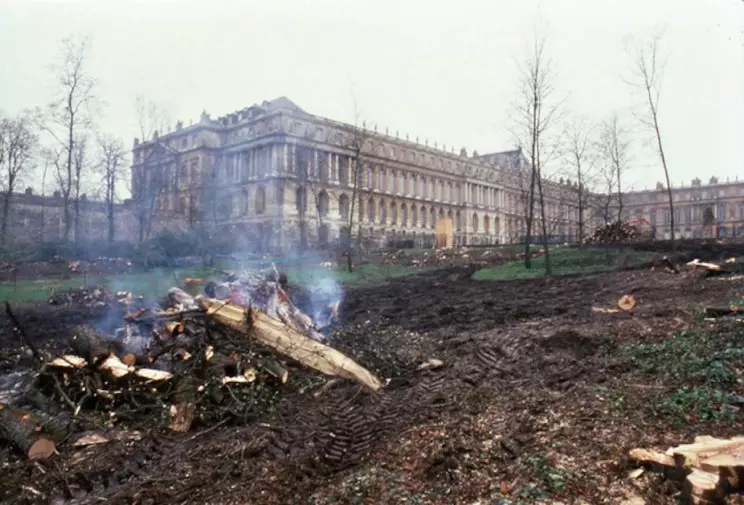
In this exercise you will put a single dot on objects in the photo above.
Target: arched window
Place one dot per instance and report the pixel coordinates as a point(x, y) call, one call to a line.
point(383, 212)
point(343, 207)
point(486, 225)
point(432, 219)
point(323, 205)
point(414, 215)
point(403, 215)
point(393, 213)
point(475, 223)
point(423, 217)
point(260, 201)
point(371, 210)
point(301, 200)
point(458, 221)
point(244, 209)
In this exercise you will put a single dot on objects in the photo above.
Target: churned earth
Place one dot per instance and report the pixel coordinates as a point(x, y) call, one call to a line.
point(542, 393)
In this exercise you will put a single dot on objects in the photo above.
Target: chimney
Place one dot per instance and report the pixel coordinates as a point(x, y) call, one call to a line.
point(57, 194)
point(696, 181)
point(179, 126)
point(713, 180)
point(83, 197)
point(136, 141)
point(204, 117)
point(464, 152)
point(659, 186)
point(29, 191)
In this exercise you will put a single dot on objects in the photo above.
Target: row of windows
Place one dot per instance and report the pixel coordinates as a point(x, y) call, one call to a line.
point(693, 215)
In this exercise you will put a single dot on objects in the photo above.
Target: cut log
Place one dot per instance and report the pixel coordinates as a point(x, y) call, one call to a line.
point(703, 488)
point(274, 369)
point(92, 345)
point(713, 467)
point(182, 297)
point(713, 269)
point(29, 432)
point(281, 338)
point(68, 361)
point(626, 302)
point(183, 410)
point(723, 311)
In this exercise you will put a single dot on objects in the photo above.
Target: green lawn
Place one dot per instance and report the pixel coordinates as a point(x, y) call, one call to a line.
point(157, 282)
point(564, 261)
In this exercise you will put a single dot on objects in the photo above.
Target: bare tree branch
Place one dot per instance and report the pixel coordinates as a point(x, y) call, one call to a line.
point(111, 161)
point(67, 117)
point(647, 77)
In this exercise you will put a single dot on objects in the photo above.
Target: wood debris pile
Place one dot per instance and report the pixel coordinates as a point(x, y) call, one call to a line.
point(711, 468)
point(227, 354)
point(616, 232)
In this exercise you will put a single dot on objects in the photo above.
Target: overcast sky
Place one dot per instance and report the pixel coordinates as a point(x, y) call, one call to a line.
point(438, 69)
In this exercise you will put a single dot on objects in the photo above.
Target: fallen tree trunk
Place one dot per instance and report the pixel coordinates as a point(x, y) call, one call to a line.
point(289, 342)
point(29, 432)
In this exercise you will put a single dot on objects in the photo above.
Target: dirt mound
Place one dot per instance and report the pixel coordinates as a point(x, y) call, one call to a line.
point(572, 343)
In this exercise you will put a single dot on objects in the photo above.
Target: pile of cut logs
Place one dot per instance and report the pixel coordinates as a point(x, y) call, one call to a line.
point(192, 361)
point(711, 468)
point(616, 232)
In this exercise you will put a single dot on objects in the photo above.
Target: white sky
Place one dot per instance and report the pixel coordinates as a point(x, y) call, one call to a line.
point(437, 69)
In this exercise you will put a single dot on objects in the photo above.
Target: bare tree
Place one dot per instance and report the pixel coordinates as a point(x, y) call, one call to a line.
point(648, 75)
point(357, 142)
point(18, 143)
point(111, 159)
point(535, 114)
point(80, 162)
point(67, 118)
point(579, 154)
point(614, 147)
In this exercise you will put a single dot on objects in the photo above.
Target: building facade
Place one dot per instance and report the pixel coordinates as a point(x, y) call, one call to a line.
point(715, 209)
point(283, 177)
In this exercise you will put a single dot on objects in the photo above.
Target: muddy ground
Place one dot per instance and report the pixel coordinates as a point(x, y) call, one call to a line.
point(521, 411)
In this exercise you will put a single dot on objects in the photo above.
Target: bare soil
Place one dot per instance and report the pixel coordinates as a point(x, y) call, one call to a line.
point(521, 404)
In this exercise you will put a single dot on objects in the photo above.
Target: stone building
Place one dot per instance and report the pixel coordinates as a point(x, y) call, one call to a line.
point(281, 176)
point(39, 218)
point(715, 209)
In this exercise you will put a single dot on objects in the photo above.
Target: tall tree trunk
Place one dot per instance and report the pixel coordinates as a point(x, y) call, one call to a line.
point(111, 221)
point(77, 217)
point(530, 217)
point(581, 214)
point(6, 211)
point(546, 249)
point(67, 215)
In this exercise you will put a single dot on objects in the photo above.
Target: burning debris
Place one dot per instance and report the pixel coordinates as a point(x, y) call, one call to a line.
point(201, 359)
